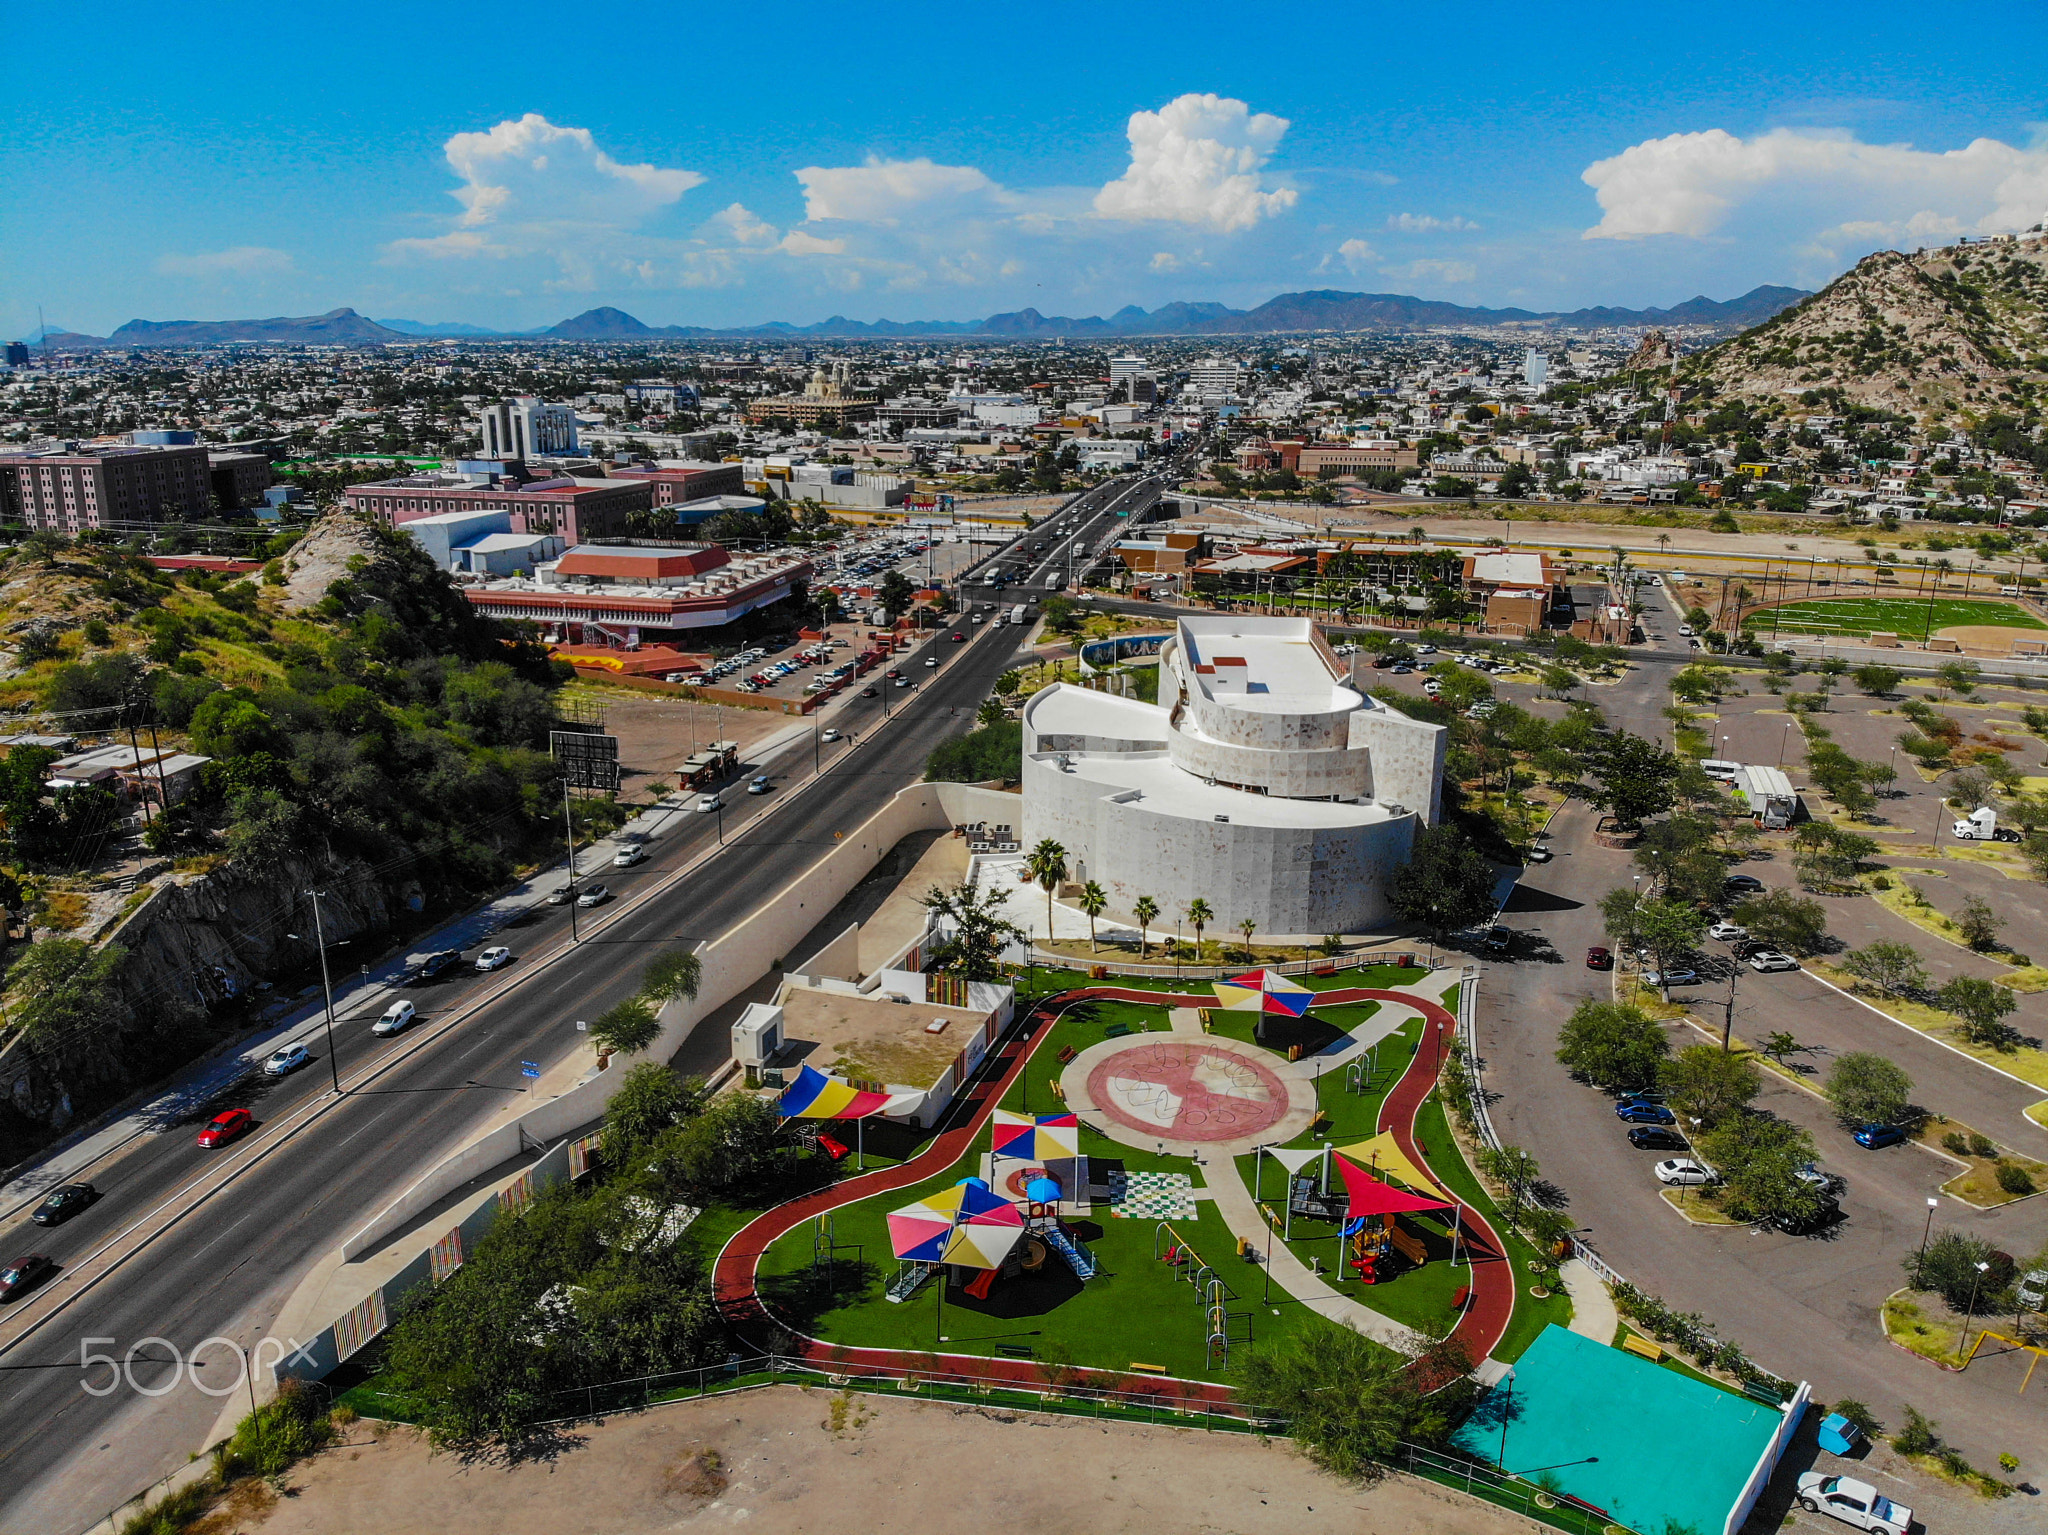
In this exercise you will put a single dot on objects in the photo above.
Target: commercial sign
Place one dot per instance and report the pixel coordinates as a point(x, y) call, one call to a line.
point(587, 761)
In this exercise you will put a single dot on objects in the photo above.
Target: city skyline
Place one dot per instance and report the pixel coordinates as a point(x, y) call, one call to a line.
point(888, 171)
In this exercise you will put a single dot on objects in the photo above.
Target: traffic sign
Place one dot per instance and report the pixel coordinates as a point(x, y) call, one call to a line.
point(528, 1069)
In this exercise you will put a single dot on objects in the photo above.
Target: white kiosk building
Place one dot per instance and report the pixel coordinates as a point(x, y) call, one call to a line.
point(1261, 781)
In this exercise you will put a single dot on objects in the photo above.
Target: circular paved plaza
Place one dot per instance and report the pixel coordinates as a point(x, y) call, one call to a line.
point(1191, 1092)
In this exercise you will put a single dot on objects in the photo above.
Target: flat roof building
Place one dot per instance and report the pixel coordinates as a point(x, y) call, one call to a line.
point(569, 508)
point(69, 491)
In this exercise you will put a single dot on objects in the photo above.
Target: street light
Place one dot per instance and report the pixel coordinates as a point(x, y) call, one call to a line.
point(327, 989)
point(1976, 1280)
point(1507, 1411)
point(1928, 1229)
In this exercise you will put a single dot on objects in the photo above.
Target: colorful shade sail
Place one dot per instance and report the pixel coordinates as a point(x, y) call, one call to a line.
point(964, 1224)
point(814, 1095)
point(1261, 991)
point(1369, 1196)
point(1383, 1155)
point(1045, 1138)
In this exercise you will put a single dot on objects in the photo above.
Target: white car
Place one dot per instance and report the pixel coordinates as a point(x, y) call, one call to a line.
point(1684, 1172)
point(593, 895)
point(629, 855)
point(1686, 630)
point(1432, 687)
point(1538, 855)
point(830, 736)
point(287, 1060)
point(931, 660)
point(706, 803)
point(494, 959)
point(395, 1019)
point(1767, 960)
point(1678, 976)
point(1853, 1502)
point(1727, 932)
point(758, 786)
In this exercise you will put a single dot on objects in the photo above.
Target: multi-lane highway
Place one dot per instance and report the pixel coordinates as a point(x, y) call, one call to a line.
point(200, 1258)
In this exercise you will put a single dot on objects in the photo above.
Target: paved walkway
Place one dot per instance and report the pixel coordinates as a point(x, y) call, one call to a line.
point(1593, 1312)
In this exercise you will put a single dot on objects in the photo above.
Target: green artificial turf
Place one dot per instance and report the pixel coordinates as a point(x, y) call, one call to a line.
point(1909, 618)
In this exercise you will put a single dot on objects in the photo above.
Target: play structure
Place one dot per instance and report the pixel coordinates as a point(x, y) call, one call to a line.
point(1380, 1184)
point(1172, 1249)
point(815, 1096)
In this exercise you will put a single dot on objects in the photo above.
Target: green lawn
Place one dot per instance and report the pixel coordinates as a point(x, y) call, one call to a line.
point(1908, 617)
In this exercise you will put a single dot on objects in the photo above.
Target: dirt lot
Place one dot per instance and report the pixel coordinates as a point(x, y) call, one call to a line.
point(656, 733)
point(791, 1460)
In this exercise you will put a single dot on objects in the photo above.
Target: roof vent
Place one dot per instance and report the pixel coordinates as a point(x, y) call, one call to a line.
point(1224, 818)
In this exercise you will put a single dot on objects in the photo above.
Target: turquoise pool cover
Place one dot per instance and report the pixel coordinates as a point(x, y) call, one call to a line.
point(1645, 1444)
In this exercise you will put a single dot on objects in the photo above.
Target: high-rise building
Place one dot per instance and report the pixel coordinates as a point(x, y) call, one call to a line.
point(17, 354)
point(526, 428)
point(1535, 369)
point(1130, 378)
point(68, 492)
point(1215, 376)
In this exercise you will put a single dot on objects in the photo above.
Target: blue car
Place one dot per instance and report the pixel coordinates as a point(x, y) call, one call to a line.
point(1637, 1112)
point(1876, 1136)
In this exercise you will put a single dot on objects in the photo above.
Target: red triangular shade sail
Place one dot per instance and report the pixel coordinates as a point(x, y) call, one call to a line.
point(1369, 1196)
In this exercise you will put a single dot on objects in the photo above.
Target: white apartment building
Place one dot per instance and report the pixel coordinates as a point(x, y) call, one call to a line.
point(526, 428)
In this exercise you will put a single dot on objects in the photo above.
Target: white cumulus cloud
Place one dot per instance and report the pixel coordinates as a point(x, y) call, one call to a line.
point(1353, 256)
point(1198, 160)
point(1165, 261)
point(530, 186)
point(1424, 223)
point(881, 191)
point(798, 243)
point(1693, 183)
point(743, 226)
point(235, 261)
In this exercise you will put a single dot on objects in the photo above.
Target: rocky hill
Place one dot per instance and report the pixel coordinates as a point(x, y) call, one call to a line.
point(1958, 327)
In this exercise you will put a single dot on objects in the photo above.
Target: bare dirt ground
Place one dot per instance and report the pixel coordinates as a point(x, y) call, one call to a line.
point(657, 733)
point(1990, 639)
point(788, 1460)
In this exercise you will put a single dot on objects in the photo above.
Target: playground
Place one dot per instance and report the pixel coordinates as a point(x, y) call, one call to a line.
point(1910, 618)
point(1150, 1178)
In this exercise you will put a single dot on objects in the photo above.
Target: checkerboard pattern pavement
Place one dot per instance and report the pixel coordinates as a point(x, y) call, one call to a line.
point(1152, 1196)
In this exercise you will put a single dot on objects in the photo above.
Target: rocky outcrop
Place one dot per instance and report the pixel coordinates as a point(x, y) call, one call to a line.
point(339, 544)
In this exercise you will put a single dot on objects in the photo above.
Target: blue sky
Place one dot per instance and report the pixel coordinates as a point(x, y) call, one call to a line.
point(512, 164)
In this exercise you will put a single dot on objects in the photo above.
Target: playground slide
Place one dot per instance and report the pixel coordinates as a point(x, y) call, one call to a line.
point(908, 1280)
point(1079, 1259)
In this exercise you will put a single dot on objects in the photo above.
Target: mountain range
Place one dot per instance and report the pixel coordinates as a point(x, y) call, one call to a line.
point(1318, 309)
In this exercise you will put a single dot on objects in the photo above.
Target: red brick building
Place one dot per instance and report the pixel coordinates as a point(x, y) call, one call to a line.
point(683, 480)
point(572, 509)
point(93, 487)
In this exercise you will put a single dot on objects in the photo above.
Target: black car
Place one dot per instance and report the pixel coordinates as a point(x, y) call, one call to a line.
point(63, 1203)
point(1656, 1138)
point(1823, 1215)
point(1742, 884)
point(433, 965)
point(22, 1274)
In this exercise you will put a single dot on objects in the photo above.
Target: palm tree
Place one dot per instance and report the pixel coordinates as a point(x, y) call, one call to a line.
point(1048, 865)
point(1248, 927)
point(1145, 909)
point(1664, 542)
point(1093, 899)
point(1199, 913)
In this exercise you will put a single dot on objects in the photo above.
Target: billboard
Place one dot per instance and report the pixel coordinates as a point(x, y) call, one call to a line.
point(587, 761)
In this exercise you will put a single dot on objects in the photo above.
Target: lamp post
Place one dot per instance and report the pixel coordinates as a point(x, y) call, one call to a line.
point(1507, 1411)
point(1964, 1336)
point(1785, 740)
point(1928, 1230)
point(569, 836)
point(320, 937)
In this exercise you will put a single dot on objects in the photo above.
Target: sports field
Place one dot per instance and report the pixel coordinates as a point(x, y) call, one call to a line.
point(1907, 617)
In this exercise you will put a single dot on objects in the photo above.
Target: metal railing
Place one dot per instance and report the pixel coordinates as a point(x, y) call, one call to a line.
point(1192, 972)
point(1468, 1036)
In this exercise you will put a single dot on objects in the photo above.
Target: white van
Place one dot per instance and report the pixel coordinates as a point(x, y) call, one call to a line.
point(1719, 771)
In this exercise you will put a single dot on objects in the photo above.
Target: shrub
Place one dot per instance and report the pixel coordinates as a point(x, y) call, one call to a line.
point(1981, 1145)
point(1918, 1436)
point(1859, 1416)
point(1956, 1142)
point(2015, 1179)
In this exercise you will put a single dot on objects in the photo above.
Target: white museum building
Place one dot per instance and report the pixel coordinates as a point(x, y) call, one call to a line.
point(1261, 781)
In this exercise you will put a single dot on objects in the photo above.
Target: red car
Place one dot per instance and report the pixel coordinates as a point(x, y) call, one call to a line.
point(1599, 959)
point(224, 1127)
point(22, 1274)
point(959, 639)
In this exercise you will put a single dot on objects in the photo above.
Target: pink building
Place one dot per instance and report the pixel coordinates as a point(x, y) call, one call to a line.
point(572, 509)
point(70, 492)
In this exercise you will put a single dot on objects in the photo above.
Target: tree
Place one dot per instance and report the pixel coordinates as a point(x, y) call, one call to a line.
point(1892, 967)
point(1047, 864)
point(229, 724)
point(1982, 1005)
point(1620, 913)
point(1707, 1083)
point(989, 713)
point(1948, 1266)
point(1094, 899)
point(1784, 920)
point(1445, 885)
point(1877, 681)
point(1347, 1401)
point(895, 594)
point(733, 1145)
point(1635, 778)
point(1670, 928)
point(1979, 924)
point(626, 1027)
point(1513, 1168)
point(980, 931)
point(1616, 1047)
point(649, 1101)
point(1868, 1089)
point(1248, 927)
point(1824, 854)
point(672, 977)
point(1146, 910)
point(1200, 914)
point(1759, 1157)
point(67, 997)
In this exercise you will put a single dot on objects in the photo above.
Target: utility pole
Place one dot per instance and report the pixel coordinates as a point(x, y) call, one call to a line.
point(569, 836)
point(320, 937)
